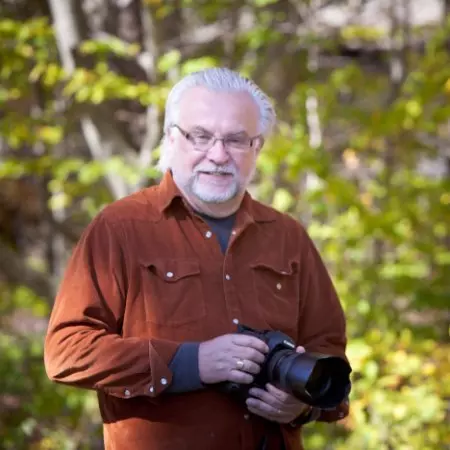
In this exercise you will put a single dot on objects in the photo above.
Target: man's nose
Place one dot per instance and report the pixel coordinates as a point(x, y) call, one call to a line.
point(218, 153)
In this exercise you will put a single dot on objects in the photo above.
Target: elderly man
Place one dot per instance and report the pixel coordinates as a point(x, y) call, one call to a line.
point(146, 313)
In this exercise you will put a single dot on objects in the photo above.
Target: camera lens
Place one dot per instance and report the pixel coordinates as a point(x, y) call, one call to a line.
point(318, 380)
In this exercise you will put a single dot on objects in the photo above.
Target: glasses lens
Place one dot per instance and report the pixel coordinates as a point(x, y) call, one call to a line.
point(202, 142)
point(238, 143)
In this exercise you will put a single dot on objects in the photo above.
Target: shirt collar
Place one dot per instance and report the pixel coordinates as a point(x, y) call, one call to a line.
point(252, 210)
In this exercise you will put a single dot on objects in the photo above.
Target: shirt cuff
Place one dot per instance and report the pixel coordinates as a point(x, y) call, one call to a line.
point(184, 368)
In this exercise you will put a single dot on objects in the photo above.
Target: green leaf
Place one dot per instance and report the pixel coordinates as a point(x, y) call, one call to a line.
point(282, 200)
point(168, 61)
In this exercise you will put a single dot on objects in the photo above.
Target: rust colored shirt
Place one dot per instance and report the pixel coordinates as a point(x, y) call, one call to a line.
point(148, 275)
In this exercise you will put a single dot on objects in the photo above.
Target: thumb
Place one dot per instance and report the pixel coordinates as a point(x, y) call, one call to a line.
point(300, 349)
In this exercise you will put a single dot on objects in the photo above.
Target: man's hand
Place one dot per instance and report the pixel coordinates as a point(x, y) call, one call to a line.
point(274, 404)
point(231, 357)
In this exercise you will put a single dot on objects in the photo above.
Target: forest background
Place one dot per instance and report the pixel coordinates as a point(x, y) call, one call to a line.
point(361, 156)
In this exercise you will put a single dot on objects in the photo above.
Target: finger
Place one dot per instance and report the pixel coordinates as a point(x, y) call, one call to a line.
point(248, 366)
point(264, 409)
point(250, 341)
point(279, 418)
point(300, 349)
point(251, 354)
point(266, 397)
point(282, 396)
point(238, 376)
point(263, 414)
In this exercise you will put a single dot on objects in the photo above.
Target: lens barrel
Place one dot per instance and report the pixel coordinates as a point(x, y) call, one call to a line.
point(316, 379)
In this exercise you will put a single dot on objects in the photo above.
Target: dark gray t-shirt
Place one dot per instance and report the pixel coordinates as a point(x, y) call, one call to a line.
point(221, 228)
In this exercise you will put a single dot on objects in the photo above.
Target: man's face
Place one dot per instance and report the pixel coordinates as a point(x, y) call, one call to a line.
point(221, 173)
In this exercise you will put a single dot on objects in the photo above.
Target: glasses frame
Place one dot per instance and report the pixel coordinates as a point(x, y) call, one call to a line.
point(188, 136)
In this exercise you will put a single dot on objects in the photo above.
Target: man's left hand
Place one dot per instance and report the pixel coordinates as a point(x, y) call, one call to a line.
point(274, 404)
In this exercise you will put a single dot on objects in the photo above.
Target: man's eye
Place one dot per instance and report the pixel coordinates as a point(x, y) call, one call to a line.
point(202, 138)
point(237, 141)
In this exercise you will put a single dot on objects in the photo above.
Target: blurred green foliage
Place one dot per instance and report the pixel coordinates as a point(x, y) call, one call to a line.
point(381, 225)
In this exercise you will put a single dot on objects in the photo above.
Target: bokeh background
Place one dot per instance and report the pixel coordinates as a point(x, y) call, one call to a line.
point(361, 156)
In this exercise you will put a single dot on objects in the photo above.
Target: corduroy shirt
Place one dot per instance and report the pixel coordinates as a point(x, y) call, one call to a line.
point(147, 276)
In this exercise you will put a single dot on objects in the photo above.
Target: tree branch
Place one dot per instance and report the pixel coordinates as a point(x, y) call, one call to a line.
point(152, 46)
point(100, 137)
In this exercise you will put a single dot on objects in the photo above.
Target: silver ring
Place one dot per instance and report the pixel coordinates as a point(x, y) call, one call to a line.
point(240, 364)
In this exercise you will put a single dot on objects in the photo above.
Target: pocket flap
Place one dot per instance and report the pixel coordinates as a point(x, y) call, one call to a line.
point(287, 269)
point(172, 270)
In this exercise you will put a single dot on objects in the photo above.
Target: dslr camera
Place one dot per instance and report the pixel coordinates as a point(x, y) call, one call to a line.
point(319, 380)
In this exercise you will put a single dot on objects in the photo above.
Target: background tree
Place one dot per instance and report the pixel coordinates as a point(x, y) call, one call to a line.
point(361, 155)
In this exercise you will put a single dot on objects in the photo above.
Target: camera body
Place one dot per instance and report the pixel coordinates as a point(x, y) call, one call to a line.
point(316, 379)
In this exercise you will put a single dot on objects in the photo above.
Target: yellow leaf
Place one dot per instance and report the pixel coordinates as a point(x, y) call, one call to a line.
point(447, 86)
point(366, 199)
point(445, 198)
point(350, 159)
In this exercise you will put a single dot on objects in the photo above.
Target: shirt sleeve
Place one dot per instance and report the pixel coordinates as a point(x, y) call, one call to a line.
point(322, 324)
point(83, 344)
point(185, 370)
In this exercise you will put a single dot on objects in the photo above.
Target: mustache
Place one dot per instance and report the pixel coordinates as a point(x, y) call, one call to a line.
point(218, 170)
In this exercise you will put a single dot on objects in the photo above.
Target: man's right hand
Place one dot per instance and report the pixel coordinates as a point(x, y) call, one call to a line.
point(231, 357)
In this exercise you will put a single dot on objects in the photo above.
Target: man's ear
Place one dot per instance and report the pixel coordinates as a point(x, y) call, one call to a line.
point(260, 145)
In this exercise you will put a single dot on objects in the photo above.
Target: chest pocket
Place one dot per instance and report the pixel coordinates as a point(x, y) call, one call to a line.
point(172, 291)
point(277, 290)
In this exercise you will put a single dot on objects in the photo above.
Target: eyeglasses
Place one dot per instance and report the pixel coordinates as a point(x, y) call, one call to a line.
point(202, 141)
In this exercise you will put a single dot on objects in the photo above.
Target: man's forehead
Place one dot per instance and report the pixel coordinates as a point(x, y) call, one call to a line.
point(205, 108)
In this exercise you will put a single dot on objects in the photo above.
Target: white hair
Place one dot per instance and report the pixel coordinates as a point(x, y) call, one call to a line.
point(219, 79)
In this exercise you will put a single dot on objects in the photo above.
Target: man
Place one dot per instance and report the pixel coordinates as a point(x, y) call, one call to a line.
point(146, 313)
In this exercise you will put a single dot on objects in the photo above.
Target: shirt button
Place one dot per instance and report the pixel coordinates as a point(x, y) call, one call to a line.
point(151, 389)
point(208, 234)
point(127, 392)
point(246, 416)
point(163, 381)
point(227, 277)
point(235, 321)
point(169, 274)
point(279, 286)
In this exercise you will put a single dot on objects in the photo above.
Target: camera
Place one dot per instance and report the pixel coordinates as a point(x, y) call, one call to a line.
point(317, 379)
